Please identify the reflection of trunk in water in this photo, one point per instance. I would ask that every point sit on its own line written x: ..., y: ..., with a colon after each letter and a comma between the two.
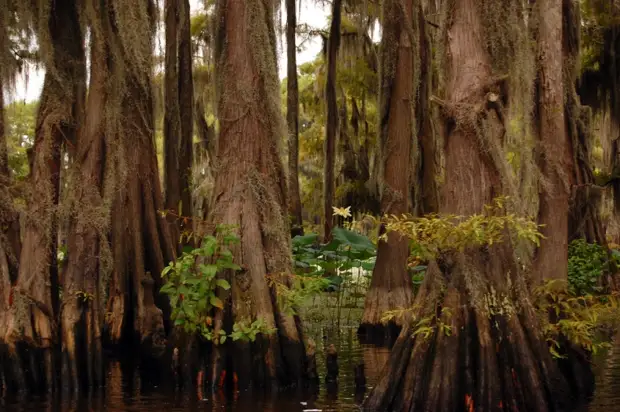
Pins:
x: 374, y: 359
x: 607, y: 392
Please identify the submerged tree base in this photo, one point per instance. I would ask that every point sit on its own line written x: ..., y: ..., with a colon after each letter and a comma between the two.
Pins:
x: 383, y: 334
x: 474, y: 345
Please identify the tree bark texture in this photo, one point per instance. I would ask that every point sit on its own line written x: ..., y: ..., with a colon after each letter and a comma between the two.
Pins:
x: 331, y: 128
x: 30, y: 329
x: 292, y: 115
x: 82, y: 311
x: 178, y: 114
x: 480, y: 354
x: 250, y: 193
x: 556, y: 151
x: 140, y: 237
x: 10, y: 247
x: 391, y: 286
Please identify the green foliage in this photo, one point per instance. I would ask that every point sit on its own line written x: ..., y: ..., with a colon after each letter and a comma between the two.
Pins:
x: 346, y: 251
x: 586, y: 264
x: 20, y: 122
x: 426, y: 326
x: 292, y: 291
x: 580, y: 319
x: 433, y: 234
x: 192, y: 288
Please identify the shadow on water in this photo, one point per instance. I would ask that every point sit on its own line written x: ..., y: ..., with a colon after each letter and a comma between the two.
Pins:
x: 132, y: 388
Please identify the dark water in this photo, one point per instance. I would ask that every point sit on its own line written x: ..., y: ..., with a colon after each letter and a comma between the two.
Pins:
x: 132, y: 390
x: 129, y: 389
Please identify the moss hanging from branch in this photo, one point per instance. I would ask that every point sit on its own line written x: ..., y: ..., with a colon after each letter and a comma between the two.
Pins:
x: 32, y: 316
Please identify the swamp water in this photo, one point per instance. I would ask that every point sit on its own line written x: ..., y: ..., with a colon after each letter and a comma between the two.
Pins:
x: 129, y: 389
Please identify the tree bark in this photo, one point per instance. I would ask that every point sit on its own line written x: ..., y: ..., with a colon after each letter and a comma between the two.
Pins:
x: 172, y: 117
x: 81, y: 315
x: 186, y: 104
x: 250, y: 193
x: 391, y: 286
x: 10, y: 248
x: 178, y: 114
x: 493, y: 356
x: 292, y: 116
x: 35, y: 296
x: 331, y: 129
x: 556, y: 161
x: 140, y: 237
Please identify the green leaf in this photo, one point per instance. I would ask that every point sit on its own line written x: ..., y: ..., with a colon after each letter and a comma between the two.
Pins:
x: 188, y: 249
x: 305, y: 240
x: 222, y: 339
x: 353, y: 239
x: 216, y: 302
x: 223, y: 283
x: 208, y: 271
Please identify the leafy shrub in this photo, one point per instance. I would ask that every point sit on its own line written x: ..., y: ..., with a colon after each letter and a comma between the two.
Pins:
x: 586, y: 264
x: 580, y: 319
x: 192, y: 289
x: 433, y: 234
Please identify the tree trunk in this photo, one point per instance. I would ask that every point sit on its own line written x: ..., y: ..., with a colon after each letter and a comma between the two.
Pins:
x: 391, y: 286
x: 172, y: 117
x: 426, y: 171
x: 35, y: 296
x: 556, y: 162
x: 186, y: 104
x: 81, y: 315
x: 479, y: 354
x: 331, y: 129
x: 250, y: 193
x: 141, y: 241
x: 178, y: 115
x: 10, y: 248
x: 292, y: 116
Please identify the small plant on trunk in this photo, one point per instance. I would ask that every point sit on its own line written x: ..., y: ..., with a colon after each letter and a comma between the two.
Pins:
x: 192, y: 289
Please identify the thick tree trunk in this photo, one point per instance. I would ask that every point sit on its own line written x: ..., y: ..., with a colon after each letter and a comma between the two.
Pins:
x: 426, y: 191
x: 331, y: 129
x: 391, y: 286
x: 141, y: 241
x: 81, y: 315
x: 292, y: 116
x: 10, y: 247
x: 556, y: 162
x: 250, y: 193
x: 35, y: 296
x: 178, y: 114
x: 480, y: 354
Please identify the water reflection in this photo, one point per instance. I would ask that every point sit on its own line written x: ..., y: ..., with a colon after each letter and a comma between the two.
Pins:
x: 132, y: 388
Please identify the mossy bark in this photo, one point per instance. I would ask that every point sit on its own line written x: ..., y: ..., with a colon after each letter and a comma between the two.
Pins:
x: 556, y: 160
x: 292, y: 115
x: 331, y: 128
x: 391, y: 286
x: 30, y: 331
x: 178, y: 114
x: 10, y: 247
x: 140, y: 238
x: 250, y: 193
x: 81, y: 315
x: 484, y: 349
